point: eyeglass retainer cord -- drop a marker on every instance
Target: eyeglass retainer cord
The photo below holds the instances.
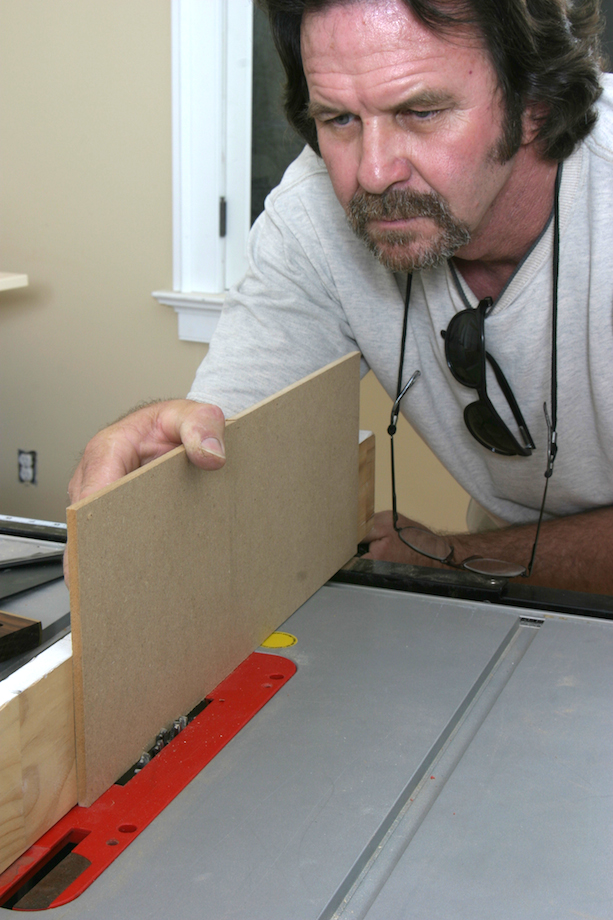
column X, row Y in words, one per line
column 552, row 434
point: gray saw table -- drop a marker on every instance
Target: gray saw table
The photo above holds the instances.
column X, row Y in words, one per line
column 432, row 757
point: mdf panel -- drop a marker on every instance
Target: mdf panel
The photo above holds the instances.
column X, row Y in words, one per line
column 178, row 574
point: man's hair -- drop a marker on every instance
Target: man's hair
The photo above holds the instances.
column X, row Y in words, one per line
column 546, row 53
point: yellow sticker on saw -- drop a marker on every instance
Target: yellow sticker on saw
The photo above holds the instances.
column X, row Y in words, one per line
column 279, row 640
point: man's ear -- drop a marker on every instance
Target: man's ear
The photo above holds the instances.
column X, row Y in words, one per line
column 533, row 118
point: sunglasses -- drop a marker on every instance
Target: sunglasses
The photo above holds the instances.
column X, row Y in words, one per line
column 466, row 359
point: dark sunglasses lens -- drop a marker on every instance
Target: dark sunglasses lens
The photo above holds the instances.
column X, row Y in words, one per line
column 488, row 428
column 463, row 348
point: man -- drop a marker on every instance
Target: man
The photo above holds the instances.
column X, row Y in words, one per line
column 440, row 128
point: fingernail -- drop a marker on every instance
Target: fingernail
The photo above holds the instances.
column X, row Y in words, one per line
column 213, row 446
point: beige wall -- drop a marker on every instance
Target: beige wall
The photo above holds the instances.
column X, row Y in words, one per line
column 85, row 211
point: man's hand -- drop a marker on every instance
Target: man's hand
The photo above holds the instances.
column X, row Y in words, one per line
column 147, row 434
column 386, row 545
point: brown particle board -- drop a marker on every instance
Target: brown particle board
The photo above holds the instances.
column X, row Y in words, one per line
column 366, row 486
column 178, row 574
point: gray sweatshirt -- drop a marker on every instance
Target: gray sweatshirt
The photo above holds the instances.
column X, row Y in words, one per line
column 313, row 293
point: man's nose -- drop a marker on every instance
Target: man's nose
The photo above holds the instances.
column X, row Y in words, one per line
column 384, row 160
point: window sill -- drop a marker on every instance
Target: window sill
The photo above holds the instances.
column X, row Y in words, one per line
column 197, row 313
column 9, row 280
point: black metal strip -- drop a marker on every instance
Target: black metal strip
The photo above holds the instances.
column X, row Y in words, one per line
column 469, row 586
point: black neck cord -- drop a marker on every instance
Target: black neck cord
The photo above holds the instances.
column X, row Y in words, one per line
column 407, row 297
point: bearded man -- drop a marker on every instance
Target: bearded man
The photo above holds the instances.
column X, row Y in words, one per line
column 452, row 205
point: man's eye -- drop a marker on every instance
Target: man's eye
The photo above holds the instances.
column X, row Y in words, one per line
column 420, row 114
column 341, row 120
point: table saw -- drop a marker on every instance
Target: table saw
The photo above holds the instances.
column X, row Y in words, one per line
column 440, row 746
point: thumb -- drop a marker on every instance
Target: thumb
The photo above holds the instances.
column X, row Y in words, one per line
column 200, row 428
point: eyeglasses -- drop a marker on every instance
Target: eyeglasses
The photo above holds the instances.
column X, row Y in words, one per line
column 436, row 547
column 466, row 355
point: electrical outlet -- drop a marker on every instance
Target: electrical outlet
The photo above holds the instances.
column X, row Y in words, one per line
column 27, row 466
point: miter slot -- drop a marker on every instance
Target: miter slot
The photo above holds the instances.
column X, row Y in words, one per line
column 356, row 895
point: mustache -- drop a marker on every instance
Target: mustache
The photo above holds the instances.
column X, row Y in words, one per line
column 398, row 204
column 406, row 249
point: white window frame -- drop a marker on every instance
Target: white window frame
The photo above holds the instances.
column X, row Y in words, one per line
column 212, row 53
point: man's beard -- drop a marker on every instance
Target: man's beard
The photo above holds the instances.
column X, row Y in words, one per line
column 407, row 250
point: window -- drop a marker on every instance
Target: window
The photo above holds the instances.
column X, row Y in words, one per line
column 211, row 127
column 223, row 61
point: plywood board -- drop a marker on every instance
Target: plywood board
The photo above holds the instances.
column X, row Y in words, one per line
column 12, row 830
column 178, row 574
column 37, row 750
column 48, row 760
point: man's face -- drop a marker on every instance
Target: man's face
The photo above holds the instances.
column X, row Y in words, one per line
column 409, row 125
